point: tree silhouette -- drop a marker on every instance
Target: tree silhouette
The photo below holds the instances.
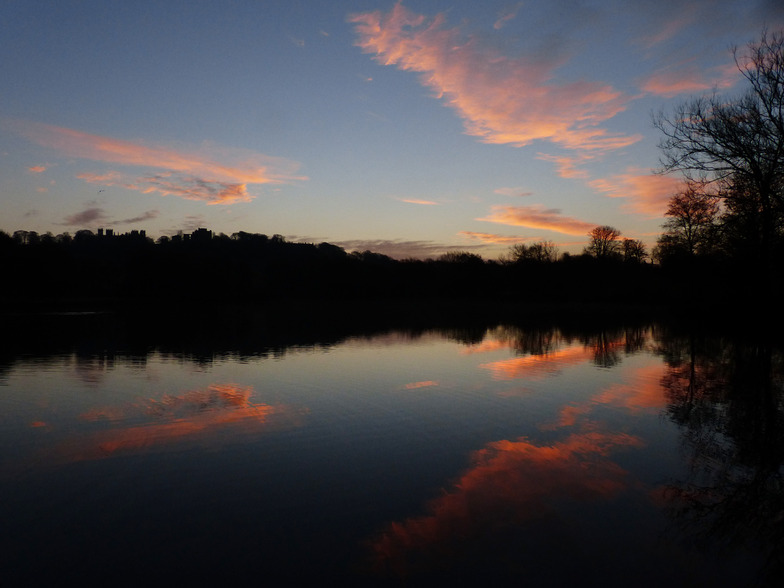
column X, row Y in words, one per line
column 692, row 223
column 737, row 141
column 604, row 243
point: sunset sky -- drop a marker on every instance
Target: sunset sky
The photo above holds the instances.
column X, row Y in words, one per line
column 408, row 128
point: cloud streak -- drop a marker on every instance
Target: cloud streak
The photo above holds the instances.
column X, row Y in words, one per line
column 646, row 193
column 493, row 239
column 209, row 173
column 95, row 215
column 89, row 216
column 537, row 217
column 501, row 99
column 400, row 249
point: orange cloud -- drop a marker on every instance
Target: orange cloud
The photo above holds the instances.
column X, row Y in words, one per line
column 197, row 174
column 537, row 217
column 647, row 193
column 502, row 100
column 36, row 169
column 511, row 484
column 494, row 239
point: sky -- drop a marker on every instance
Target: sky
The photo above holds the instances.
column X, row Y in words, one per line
column 407, row 128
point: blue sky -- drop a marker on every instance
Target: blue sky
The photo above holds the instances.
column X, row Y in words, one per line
column 408, row 128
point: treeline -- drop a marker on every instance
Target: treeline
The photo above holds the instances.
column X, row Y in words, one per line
column 248, row 267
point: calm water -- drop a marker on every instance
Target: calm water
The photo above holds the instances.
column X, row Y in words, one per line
column 484, row 456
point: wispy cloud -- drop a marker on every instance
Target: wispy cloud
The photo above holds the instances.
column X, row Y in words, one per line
column 36, row 169
column 689, row 79
column 566, row 166
column 501, row 99
column 493, row 239
column 647, row 193
column 400, row 249
column 415, row 201
column 507, row 15
column 145, row 216
column 94, row 216
column 210, row 173
column 537, row 217
column 513, row 191
column 86, row 217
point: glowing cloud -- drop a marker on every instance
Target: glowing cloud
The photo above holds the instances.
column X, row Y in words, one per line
column 647, row 193
column 195, row 174
column 503, row 100
column 537, row 217
column 689, row 80
column 36, row 169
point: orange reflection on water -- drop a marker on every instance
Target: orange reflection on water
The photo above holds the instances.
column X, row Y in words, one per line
column 486, row 346
column 220, row 408
column 512, row 483
column 538, row 366
column 643, row 392
column 423, row 384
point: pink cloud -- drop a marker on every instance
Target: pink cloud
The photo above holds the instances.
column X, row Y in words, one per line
column 36, row 169
column 567, row 166
column 214, row 174
column 647, row 193
column 689, row 80
column 537, row 217
column 502, row 100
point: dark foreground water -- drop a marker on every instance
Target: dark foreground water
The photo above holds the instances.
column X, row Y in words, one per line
column 490, row 455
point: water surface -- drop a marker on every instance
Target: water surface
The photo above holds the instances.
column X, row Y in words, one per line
column 613, row 456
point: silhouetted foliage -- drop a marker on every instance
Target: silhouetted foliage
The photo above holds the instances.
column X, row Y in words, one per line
column 738, row 145
column 604, row 243
column 538, row 251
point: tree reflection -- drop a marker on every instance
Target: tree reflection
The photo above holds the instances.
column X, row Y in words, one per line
column 728, row 395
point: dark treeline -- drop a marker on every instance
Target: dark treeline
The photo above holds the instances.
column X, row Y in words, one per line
column 248, row 267
column 96, row 270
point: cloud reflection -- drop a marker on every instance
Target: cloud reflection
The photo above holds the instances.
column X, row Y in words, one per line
column 512, row 484
column 158, row 423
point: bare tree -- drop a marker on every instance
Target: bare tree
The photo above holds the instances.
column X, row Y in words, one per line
column 538, row 251
column 634, row 251
column 692, row 217
column 604, row 242
column 727, row 140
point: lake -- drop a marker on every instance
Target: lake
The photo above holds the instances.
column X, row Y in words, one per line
column 487, row 454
